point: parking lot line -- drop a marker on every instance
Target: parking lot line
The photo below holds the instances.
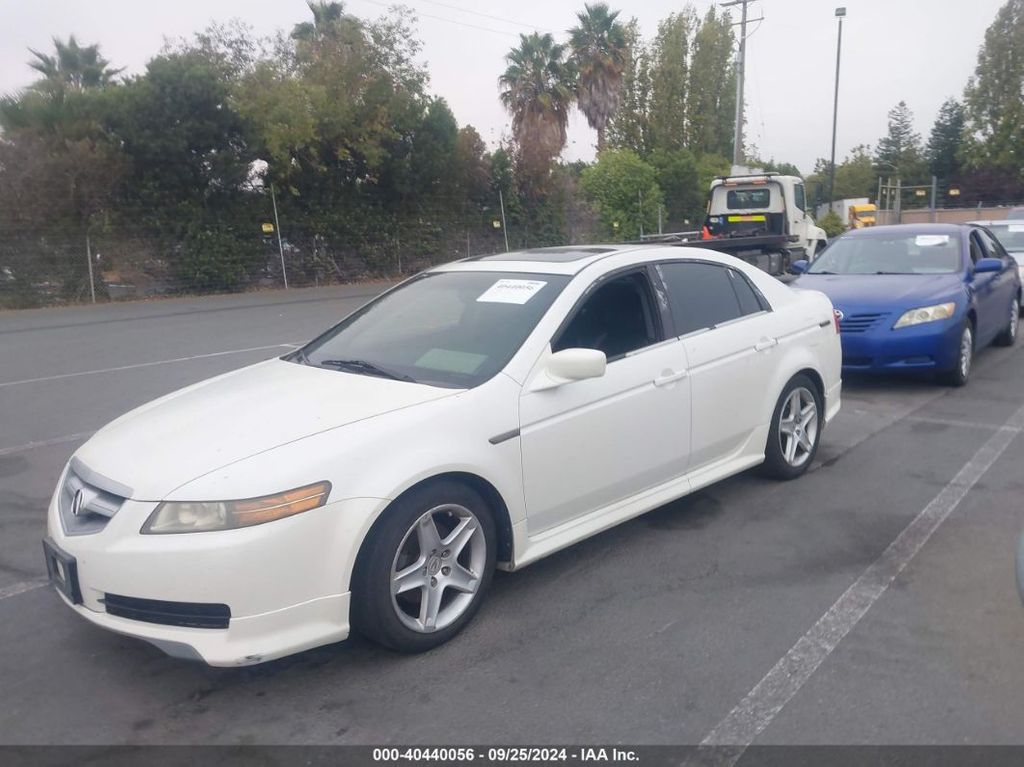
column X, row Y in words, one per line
column 962, row 424
column 145, row 364
column 44, row 443
column 762, row 704
column 20, row 588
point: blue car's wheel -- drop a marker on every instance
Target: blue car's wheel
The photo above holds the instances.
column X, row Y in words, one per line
column 965, row 357
column 1009, row 335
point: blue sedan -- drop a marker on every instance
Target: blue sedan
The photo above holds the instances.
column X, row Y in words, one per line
column 918, row 297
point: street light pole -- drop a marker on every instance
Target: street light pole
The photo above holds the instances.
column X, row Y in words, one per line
column 840, row 13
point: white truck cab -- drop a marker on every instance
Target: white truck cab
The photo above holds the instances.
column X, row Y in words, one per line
column 762, row 219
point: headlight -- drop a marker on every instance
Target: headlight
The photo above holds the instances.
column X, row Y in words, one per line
column 202, row 516
column 925, row 314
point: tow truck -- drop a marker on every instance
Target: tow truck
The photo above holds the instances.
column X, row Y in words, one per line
column 760, row 218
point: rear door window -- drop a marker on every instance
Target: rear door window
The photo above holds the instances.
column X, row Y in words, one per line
column 704, row 295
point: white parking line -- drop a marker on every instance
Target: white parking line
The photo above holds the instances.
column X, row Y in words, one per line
column 20, row 588
column 144, row 364
column 44, row 443
column 962, row 424
column 768, row 697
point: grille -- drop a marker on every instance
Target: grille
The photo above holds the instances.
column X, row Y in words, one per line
column 859, row 323
column 197, row 615
column 98, row 505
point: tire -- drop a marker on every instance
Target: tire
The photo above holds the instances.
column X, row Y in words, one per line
column 793, row 441
column 453, row 576
column 1009, row 335
column 965, row 358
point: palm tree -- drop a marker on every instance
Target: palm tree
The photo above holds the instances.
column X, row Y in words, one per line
column 72, row 67
column 537, row 90
column 330, row 28
column 600, row 52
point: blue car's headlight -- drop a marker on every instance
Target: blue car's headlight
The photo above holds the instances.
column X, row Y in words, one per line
column 925, row 314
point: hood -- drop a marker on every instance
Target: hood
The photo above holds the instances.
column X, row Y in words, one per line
column 173, row 440
column 883, row 292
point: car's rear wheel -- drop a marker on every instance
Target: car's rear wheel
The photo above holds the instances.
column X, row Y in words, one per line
column 795, row 430
column 965, row 358
column 425, row 568
column 1009, row 335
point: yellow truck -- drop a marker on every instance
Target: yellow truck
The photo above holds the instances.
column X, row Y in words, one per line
column 859, row 216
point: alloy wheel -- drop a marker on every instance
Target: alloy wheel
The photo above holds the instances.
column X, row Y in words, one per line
column 1014, row 319
column 437, row 569
column 966, row 352
column 798, row 426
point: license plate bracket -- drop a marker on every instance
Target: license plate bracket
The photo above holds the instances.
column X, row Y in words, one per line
column 62, row 569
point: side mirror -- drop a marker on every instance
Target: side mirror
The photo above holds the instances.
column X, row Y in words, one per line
column 799, row 266
column 571, row 365
column 988, row 265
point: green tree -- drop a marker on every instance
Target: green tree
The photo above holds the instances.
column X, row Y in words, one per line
column 946, row 141
column 855, row 177
column 537, row 90
column 711, row 103
column 623, row 189
column 670, row 69
column 629, row 127
column 600, row 55
column 994, row 96
column 899, row 151
column 72, row 67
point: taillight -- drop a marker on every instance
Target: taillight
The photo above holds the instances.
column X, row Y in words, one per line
column 836, row 316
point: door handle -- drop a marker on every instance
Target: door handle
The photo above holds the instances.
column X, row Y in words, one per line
column 765, row 344
column 670, row 376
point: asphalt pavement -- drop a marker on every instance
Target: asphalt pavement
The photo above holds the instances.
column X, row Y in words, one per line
column 872, row 601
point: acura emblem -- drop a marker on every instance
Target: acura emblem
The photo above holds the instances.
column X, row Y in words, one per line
column 78, row 502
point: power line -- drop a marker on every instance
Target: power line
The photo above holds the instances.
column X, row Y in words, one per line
column 489, row 16
column 451, row 21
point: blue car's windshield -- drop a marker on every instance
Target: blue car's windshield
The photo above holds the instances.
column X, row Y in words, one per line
column 891, row 254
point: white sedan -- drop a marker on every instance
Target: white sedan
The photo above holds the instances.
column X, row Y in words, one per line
column 483, row 414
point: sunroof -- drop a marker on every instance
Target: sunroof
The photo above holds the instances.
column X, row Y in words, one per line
column 557, row 255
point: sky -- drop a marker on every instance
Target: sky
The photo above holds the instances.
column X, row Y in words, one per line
column 920, row 51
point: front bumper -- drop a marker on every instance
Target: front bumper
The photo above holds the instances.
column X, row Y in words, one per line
column 285, row 582
column 931, row 346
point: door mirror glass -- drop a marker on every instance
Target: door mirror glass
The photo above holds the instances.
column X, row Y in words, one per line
column 988, row 265
column 798, row 267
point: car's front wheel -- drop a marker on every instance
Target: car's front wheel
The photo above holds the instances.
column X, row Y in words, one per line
column 1009, row 335
column 424, row 569
column 795, row 430
column 964, row 359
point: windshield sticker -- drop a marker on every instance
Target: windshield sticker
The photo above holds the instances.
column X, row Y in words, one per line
column 451, row 361
column 511, row 291
column 929, row 240
column 1016, row 228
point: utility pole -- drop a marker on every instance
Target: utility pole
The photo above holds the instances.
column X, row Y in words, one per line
column 88, row 255
column 504, row 226
column 741, row 65
column 280, row 244
column 640, row 209
column 840, row 13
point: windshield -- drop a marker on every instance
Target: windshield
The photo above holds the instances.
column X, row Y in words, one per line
column 891, row 254
column 1010, row 235
column 453, row 329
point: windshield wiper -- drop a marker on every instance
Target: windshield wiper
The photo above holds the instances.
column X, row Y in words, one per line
column 367, row 368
